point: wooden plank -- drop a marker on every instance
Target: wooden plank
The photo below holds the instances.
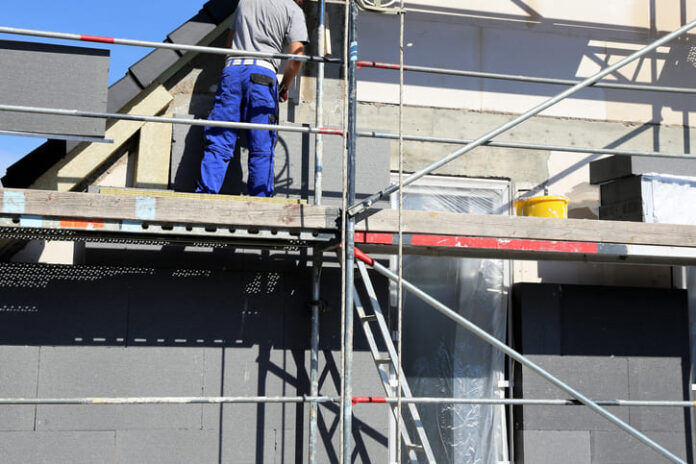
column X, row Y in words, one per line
column 154, row 153
column 94, row 206
column 531, row 228
column 252, row 213
column 198, row 196
column 84, row 159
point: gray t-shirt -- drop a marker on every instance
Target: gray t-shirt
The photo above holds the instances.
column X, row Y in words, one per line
column 267, row 26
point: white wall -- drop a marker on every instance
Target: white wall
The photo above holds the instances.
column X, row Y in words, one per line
column 570, row 40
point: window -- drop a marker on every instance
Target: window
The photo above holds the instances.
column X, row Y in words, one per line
column 442, row 359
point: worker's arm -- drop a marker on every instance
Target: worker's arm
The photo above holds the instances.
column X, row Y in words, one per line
column 230, row 37
column 292, row 67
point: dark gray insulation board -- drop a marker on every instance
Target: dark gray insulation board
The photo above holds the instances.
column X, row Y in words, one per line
column 617, row 167
column 607, row 342
column 53, row 76
column 99, row 330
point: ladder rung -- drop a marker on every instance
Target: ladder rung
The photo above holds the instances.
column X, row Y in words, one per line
column 414, row 446
column 381, row 359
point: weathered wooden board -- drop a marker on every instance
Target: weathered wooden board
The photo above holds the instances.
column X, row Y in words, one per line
column 166, row 210
column 253, row 213
column 531, row 228
column 195, row 196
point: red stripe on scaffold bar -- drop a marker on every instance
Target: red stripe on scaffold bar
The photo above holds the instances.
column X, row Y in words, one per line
column 96, row 38
column 381, row 239
column 368, row 399
column 504, row 244
column 326, row 130
column 363, row 257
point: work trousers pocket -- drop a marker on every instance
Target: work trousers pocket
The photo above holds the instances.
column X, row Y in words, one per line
column 262, row 79
column 265, row 99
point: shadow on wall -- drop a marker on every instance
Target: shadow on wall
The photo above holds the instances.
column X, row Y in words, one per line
column 611, row 341
column 261, row 318
column 141, row 306
column 190, row 152
column 547, row 48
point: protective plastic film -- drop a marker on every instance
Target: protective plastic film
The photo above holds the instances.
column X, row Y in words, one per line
column 443, row 359
column 660, row 192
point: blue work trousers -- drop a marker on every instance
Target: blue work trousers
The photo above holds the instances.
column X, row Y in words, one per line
column 243, row 96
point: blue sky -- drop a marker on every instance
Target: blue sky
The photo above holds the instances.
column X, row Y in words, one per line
column 132, row 19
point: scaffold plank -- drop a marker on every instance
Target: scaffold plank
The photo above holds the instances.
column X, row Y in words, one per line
column 200, row 196
column 93, row 207
column 530, row 228
column 246, row 219
column 537, row 250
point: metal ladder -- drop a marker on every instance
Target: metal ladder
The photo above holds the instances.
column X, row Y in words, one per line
column 382, row 362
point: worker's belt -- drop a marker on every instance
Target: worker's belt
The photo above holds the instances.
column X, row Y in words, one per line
column 252, row 61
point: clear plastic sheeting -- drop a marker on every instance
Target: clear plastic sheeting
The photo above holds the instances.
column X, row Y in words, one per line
column 441, row 358
column 669, row 199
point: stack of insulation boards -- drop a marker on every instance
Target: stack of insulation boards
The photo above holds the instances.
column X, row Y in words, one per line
column 646, row 189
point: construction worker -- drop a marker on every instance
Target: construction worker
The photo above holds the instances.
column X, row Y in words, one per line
column 249, row 90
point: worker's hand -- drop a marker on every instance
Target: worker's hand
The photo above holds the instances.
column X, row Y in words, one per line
column 282, row 94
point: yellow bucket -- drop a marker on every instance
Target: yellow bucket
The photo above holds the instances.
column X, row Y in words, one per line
column 544, row 206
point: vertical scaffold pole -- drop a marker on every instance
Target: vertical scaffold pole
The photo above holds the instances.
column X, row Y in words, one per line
column 319, row 139
column 314, row 356
column 349, row 244
column 317, row 254
column 400, row 255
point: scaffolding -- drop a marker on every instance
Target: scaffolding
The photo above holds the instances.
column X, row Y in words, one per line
column 88, row 216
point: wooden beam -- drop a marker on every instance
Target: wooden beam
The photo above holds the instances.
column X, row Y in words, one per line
column 84, row 159
column 91, row 206
column 530, row 228
column 197, row 196
column 252, row 213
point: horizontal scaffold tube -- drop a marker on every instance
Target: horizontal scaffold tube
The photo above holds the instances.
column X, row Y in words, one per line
column 172, row 400
column 526, row 146
column 168, row 120
column 166, row 45
column 516, row 355
column 330, row 399
column 522, row 401
column 521, row 78
column 331, row 131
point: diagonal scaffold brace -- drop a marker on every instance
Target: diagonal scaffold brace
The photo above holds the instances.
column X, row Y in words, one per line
column 369, row 201
column 517, row 356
